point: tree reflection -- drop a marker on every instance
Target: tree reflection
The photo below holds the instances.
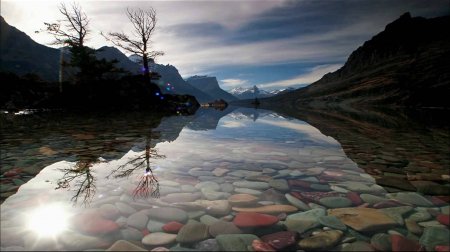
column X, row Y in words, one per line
column 81, row 176
column 81, row 173
column 148, row 183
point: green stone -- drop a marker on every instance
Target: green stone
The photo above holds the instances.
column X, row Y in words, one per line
column 433, row 236
column 397, row 213
column 279, row 184
column 193, row 232
column 335, row 202
column 381, row 242
column 235, row 242
column 332, row 222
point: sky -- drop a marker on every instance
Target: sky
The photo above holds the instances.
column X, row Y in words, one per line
column 273, row 44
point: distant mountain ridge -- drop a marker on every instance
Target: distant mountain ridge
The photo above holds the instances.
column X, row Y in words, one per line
column 21, row 55
column 249, row 93
column 407, row 64
column 210, row 85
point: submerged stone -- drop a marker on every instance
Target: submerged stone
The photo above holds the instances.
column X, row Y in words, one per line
column 332, row 222
column 236, row 242
column 363, row 219
column 433, row 236
column 193, row 232
column 321, row 241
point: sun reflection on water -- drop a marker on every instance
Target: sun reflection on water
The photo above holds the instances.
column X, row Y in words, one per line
column 48, row 220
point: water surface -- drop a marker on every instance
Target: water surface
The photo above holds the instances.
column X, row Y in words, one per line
column 138, row 178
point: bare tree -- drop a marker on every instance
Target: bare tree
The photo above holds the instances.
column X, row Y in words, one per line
column 144, row 23
column 80, row 175
column 72, row 29
column 148, row 183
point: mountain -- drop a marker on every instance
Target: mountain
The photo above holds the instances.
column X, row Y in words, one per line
column 112, row 53
column 135, row 58
column 405, row 65
column 169, row 74
column 249, row 93
column 281, row 91
column 171, row 82
column 21, row 55
column 210, row 86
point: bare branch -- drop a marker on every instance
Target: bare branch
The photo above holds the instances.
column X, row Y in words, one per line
column 144, row 24
column 84, row 181
column 72, row 29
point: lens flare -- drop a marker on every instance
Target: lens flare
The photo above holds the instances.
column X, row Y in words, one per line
column 48, row 220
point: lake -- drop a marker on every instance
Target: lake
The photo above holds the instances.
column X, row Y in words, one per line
column 230, row 180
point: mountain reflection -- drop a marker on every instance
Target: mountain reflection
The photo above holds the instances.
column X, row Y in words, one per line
column 399, row 148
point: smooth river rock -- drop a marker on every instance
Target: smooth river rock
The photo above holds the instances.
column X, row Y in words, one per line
column 236, row 242
column 223, row 227
column 252, row 219
column 363, row 219
column 335, row 202
column 158, row 238
column 280, row 240
column 269, row 209
column 296, row 202
column 304, row 221
column 242, row 199
column 321, row 241
column 252, row 185
column 167, row 214
column 193, row 232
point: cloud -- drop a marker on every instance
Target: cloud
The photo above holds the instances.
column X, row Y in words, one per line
column 210, row 53
column 208, row 36
column 313, row 133
column 311, row 76
column 230, row 83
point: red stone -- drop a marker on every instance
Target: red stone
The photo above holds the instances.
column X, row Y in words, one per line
column 254, row 220
column 172, row 227
column 299, row 183
column 355, row 199
column 442, row 248
column 13, row 172
column 316, row 196
column 93, row 223
column 145, row 232
column 440, row 200
column 444, row 219
column 258, row 245
column 281, row 240
column 400, row 243
column 299, row 196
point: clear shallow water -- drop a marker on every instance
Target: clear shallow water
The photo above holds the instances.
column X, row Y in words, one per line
column 220, row 173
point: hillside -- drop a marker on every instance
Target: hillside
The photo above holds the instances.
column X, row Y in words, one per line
column 404, row 65
column 170, row 75
column 21, row 55
column 209, row 85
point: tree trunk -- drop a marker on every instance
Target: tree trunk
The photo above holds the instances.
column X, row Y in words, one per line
column 146, row 69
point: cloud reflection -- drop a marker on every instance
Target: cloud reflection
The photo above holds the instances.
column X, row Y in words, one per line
column 307, row 129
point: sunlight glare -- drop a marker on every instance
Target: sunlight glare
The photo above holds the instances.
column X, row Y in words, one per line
column 48, row 220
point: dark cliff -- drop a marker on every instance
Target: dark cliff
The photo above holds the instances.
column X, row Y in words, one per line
column 404, row 65
column 210, row 86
